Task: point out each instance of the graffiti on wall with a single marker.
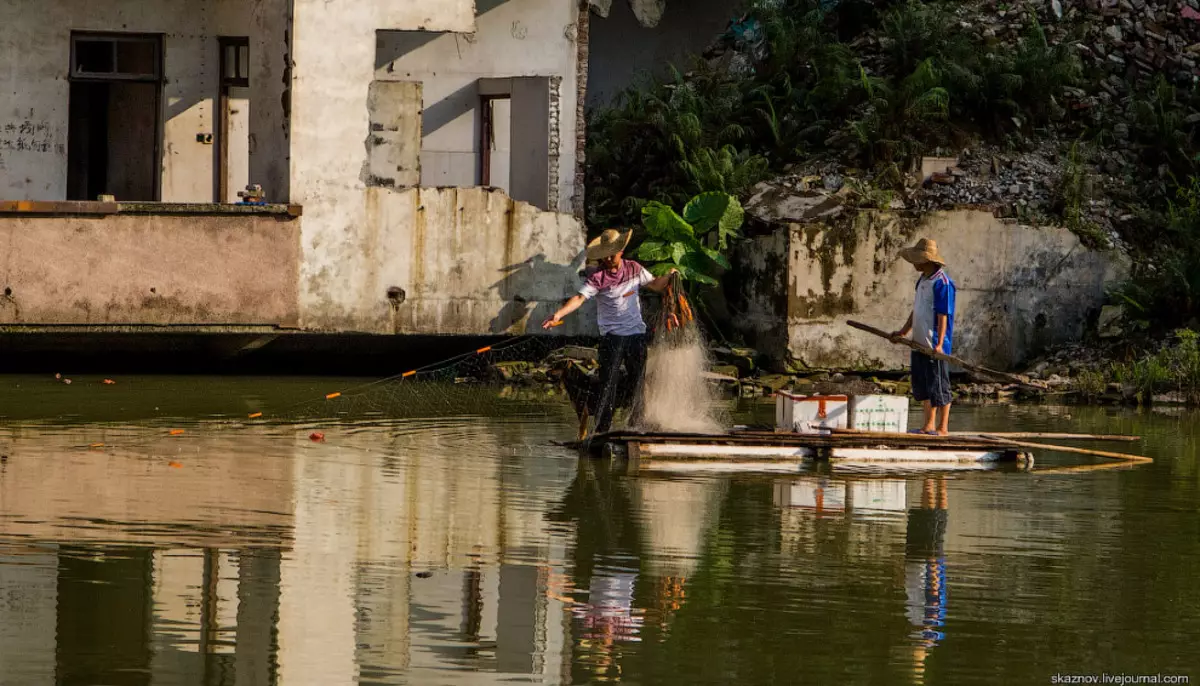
(28, 135)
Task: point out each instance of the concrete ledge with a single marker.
(76, 207)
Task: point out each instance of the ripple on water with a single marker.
(451, 549)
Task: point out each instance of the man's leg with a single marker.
(941, 396)
(610, 369)
(921, 388)
(930, 423)
(635, 369)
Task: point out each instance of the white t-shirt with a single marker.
(618, 309)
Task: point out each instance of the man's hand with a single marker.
(898, 334)
(938, 349)
(551, 322)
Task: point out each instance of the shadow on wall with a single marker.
(390, 46)
(531, 276)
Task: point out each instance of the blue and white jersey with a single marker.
(935, 295)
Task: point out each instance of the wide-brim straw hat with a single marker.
(608, 244)
(925, 250)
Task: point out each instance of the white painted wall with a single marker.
(34, 90)
(512, 38)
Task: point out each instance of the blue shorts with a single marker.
(931, 380)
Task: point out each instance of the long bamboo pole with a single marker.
(983, 371)
(1068, 449)
(1060, 436)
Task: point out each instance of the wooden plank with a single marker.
(719, 466)
(983, 371)
(932, 456)
(724, 452)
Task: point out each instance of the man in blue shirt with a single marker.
(932, 325)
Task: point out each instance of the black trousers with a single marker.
(617, 388)
(931, 380)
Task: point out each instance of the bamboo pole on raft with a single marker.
(1054, 436)
(1068, 449)
(957, 361)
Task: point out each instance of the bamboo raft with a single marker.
(771, 451)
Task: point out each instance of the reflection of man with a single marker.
(925, 569)
(608, 618)
(619, 315)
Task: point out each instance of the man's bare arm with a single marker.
(904, 330)
(571, 305)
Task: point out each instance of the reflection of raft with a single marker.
(757, 450)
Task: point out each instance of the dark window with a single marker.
(235, 62)
(125, 57)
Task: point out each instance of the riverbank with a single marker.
(1131, 370)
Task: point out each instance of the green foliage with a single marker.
(897, 118)
(1160, 115)
(1175, 367)
(694, 243)
(1164, 286)
(667, 139)
(1074, 191)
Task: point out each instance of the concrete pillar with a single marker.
(271, 97)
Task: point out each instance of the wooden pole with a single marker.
(983, 371)
(1068, 449)
(1059, 436)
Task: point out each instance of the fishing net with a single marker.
(521, 374)
(676, 394)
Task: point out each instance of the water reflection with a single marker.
(469, 550)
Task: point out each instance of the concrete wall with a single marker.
(1020, 288)
(511, 38)
(622, 49)
(34, 87)
(469, 260)
(357, 236)
(137, 269)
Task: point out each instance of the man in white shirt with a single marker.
(619, 315)
(931, 323)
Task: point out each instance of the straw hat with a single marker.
(924, 251)
(608, 244)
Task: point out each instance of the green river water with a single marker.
(449, 541)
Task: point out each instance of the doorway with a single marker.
(233, 118)
(114, 129)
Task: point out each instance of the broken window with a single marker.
(114, 124)
(233, 118)
(514, 140)
(495, 143)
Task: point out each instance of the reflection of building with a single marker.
(365, 557)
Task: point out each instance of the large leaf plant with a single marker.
(693, 242)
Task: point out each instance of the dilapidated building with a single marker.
(420, 162)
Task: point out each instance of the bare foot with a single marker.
(943, 432)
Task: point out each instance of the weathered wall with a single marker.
(1019, 288)
(34, 88)
(622, 49)
(444, 248)
(138, 269)
(511, 38)
(469, 260)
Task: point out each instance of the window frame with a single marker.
(115, 38)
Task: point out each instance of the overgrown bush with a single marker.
(809, 91)
(1164, 286)
(1173, 368)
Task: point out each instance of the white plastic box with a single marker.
(811, 414)
(881, 413)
